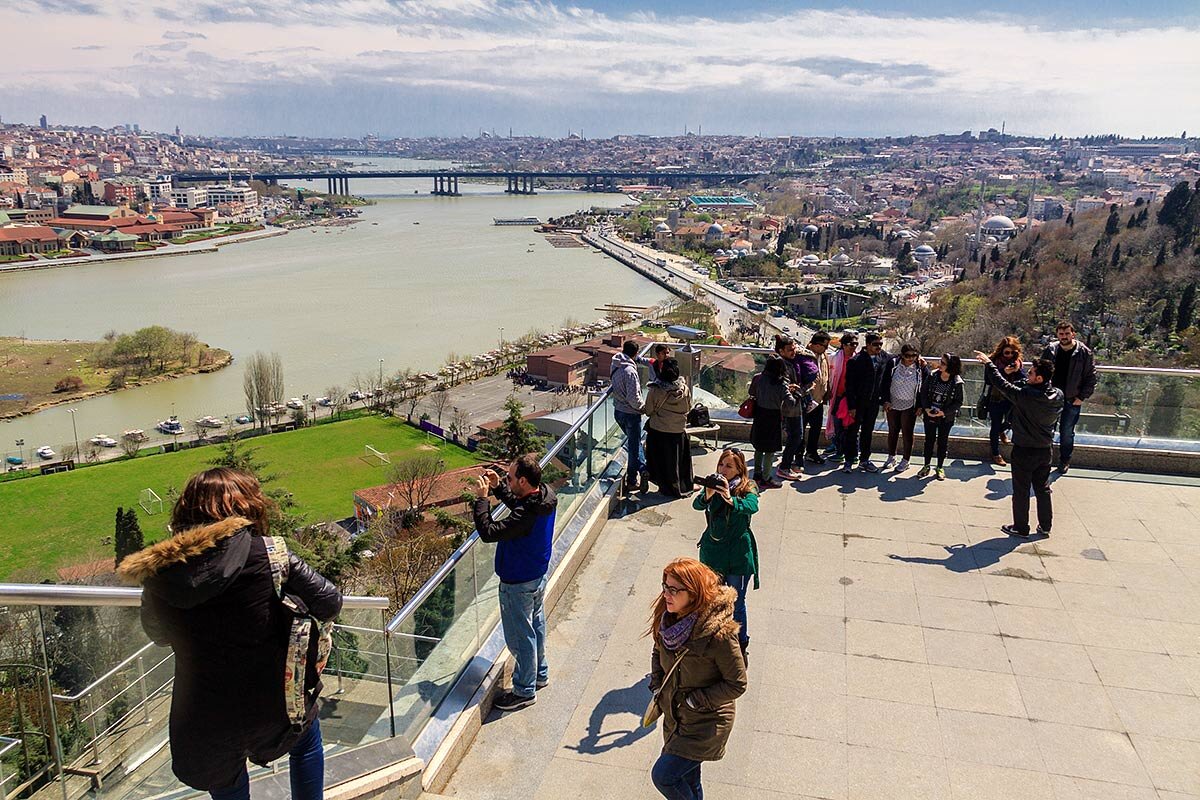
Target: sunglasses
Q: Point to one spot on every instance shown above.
(1009, 353)
(672, 591)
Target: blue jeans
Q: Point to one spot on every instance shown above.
(1066, 431)
(524, 623)
(793, 445)
(677, 778)
(742, 584)
(998, 414)
(631, 425)
(306, 769)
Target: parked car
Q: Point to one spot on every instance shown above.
(243, 420)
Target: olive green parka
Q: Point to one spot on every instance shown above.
(712, 673)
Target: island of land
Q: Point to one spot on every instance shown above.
(36, 374)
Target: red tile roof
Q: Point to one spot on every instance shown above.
(26, 233)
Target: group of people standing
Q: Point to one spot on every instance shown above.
(798, 383)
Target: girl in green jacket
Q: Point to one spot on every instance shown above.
(727, 545)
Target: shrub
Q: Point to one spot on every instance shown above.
(71, 383)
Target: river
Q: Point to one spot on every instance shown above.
(331, 302)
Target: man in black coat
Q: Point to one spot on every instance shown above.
(864, 376)
(1036, 406)
(1074, 373)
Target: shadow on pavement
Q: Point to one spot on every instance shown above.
(968, 557)
(630, 701)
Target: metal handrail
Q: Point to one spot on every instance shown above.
(71, 698)
(36, 594)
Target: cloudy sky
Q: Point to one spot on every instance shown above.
(452, 67)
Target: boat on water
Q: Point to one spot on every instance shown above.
(45, 452)
(171, 427)
(516, 221)
(295, 402)
(209, 422)
(103, 440)
(135, 435)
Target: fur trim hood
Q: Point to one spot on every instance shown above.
(178, 549)
(719, 620)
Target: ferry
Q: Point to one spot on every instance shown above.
(45, 452)
(516, 221)
(171, 427)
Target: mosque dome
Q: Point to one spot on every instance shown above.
(810, 228)
(715, 230)
(662, 227)
(925, 250)
(999, 224)
(840, 258)
(810, 259)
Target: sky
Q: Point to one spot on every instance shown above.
(454, 67)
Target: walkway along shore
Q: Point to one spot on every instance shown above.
(207, 246)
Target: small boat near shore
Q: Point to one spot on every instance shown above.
(135, 435)
(45, 452)
(171, 427)
(209, 422)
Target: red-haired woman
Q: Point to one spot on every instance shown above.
(698, 672)
(209, 594)
(1007, 358)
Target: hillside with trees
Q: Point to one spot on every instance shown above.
(1125, 276)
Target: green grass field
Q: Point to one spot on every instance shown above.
(54, 521)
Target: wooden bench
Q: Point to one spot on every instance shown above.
(703, 431)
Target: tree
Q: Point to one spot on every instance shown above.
(440, 398)
(1187, 308)
(130, 444)
(128, 538)
(337, 399)
(416, 478)
(1174, 207)
(413, 395)
(1112, 226)
(514, 437)
(262, 385)
(905, 263)
(460, 423)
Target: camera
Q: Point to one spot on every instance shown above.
(935, 408)
(713, 481)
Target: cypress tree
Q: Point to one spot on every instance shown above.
(1187, 308)
(1167, 320)
(1116, 255)
(1113, 225)
(1174, 205)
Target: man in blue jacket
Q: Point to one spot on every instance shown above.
(523, 538)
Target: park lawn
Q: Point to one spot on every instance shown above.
(59, 520)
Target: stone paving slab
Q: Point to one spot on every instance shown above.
(902, 647)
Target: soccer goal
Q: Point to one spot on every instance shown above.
(150, 502)
(374, 456)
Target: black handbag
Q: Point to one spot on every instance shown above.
(698, 416)
(982, 407)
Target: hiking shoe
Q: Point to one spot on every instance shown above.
(924, 473)
(868, 466)
(903, 465)
(815, 458)
(891, 462)
(940, 474)
(1013, 530)
(999, 461)
(509, 701)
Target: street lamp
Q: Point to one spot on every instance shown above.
(21, 450)
(74, 430)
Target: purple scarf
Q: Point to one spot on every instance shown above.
(675, 636)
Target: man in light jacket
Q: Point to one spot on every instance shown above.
(627, 410)
(1075, 374)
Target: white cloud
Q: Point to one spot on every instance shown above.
(849, 71)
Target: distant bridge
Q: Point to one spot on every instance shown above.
(445, 181)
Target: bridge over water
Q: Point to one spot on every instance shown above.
(445, 181)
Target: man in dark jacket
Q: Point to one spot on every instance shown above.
(1075, 375)
(522, 557)
(864, 375)
(627, 411)
(1036, 407)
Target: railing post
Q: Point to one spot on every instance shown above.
(55, 741)
(387, 659)
(142, 682)
(587, 444)
(338, 650)
(95, 730)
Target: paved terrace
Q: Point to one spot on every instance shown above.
(902, 647)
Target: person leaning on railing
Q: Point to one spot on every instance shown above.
(209, 594)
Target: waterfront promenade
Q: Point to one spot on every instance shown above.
(902, 647)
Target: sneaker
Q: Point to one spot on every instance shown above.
(787, 475)
(868, 466)
(773, 483)
(903, 465)
(815, 458)
(848, 467)
(1013, 530)
(891, 462)
(1063, 467)
(510, 701)
(542, 683)
(924, 473)
(1043, 531)
(836, 458)
(940, 474)
(999, 461)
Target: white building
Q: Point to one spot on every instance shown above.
(189, 197)
(158, 188)
(240, 194)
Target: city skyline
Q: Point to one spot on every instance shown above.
(454, 67)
